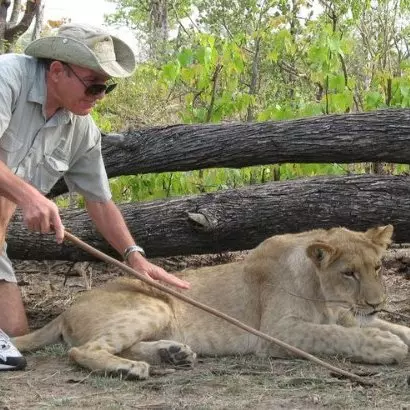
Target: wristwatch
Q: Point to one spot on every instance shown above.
(133, 248)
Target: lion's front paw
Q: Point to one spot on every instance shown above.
(381, 347)
(177, 354)
(132, 371)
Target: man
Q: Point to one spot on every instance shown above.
(46, 132)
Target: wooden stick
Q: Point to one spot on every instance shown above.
(212, 311)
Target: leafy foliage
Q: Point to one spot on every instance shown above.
(258, 60)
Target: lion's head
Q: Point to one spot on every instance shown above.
(348, 265)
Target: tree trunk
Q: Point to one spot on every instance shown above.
(39, 22)
(10, 31)
(15, 13)
(158, 26)
(4, 5)
(236, 219)
(13, 32)
(382, 136)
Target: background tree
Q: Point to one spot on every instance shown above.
(21, 16)
(250, 60)
(38, 22)
(260, 60)
(152, 19)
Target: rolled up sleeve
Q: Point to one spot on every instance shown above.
(9, 90)
(87, 174)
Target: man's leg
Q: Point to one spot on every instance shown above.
(13, 319)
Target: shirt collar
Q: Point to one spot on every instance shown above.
(38, 90)
(38, 93)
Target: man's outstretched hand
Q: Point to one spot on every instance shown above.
(143, 266)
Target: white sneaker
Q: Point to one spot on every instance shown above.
(10, 357)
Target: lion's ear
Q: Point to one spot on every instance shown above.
(322, 254)
(381, 235)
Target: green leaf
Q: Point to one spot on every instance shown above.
(204, 55)
(337, 82)
(171, 71)
(373, 100)
(186, 57)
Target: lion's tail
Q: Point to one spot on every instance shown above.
(49, 334)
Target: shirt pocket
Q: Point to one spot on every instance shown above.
(51, 169)
(10, 143)
(11, 149)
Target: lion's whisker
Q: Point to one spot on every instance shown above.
(341, 302)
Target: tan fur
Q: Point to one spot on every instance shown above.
(318, 290)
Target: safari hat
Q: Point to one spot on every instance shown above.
(86, 46)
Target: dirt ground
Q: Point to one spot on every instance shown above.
(241, 382)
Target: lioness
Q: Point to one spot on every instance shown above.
(318, 290)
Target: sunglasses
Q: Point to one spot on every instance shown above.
(93, 89)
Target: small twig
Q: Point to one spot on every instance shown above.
(19, 375)
(215, 312)
(75, 382)
(49, 377)
(39, 396)
(69, 273)
(81, 268)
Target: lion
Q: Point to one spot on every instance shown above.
(319, 291)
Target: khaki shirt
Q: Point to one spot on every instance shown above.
(41, 151)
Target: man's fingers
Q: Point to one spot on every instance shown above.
(183, 284)
(44, 226)
(164, 276)
(175, 281)
(58, 229)
(156, 273)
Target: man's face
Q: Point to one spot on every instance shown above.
(71, 87)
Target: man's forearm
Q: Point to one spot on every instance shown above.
(39, 213)
(110, 223)
(13, 187)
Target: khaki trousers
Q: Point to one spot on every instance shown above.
(7, 209)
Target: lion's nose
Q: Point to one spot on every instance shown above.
(374, 305)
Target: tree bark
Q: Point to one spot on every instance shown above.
(39, 22)
(4, 5)
(375, 136)
(236, 219)
(15, 13)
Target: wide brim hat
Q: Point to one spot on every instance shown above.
(86, 46)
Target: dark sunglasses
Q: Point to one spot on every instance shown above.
(93, 89)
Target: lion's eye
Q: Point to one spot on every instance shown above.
(349, 274)
(378, 267)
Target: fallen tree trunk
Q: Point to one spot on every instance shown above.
(236, 219)
(373, 136)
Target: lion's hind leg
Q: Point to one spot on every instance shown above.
(99, 356)
(162, 351)
(118, 332)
